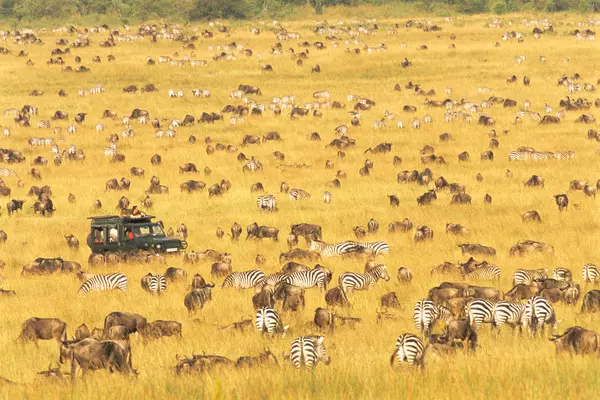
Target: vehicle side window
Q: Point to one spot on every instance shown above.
(98, 235)
(113, 235)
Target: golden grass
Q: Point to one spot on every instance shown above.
(507, 366)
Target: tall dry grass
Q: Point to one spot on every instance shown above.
(507, 365)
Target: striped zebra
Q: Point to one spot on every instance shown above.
(349, 281)
(327, 197)
(424, 315)
(508, 312)
(409, 349)
(308, 351)
(252, 165)
(562, 274)
(375, 248)
(538, 313)
(155, 284)
(564, 155)
(519, 156)
(274, 279)
(44, 124)
(415, 123)
(298, 194)
(590, 273)
(267, 203)
(336, 249)
(428, 119)
(268, 321)
(244, 280)
(491, 273)
(479, 311)
(307, 279)
(105, 282)
(527, 276)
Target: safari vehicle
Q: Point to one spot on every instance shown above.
(115, 234)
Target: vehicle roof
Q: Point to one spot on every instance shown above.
(114, 219)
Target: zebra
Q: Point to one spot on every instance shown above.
(308, 351)
(372, 226)
(527, 276)
(479, 311)
(564, 155)
(508, 312)
(562, 274)
(298, 194)
(105, 282)
(327, 197)
(244, 280)
(409, 349)
(424, 315)
(415, 123)
(375, 248)
(349, 281)
(154, 284)
(268, 321)
(336, 249)
(272, 280)
(519, 156)
(252, 165)
(538, 312)
(44, 124)
(490, 273)
(590, 273)
(267, 203)
(428, 119)
(317, 276)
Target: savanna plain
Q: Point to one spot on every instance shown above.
(507, 365)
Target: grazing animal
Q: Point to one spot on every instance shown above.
(591, 301)
(538, 313)
(424, 315)
(480, 311)
(155, 284)
(35, 329)
(197, 298)
(508, 312)
(349, 281)
(116, 281)
(268, 321)
(577, 340)
(590, 273)
(244, 280)
(308, 351)
(409, 349)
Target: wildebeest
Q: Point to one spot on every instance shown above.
(461, 198)
(477, 249)
(262, 360)
(44, 266)
(335, 297)
(307, 231)
(201, 363)
(14, 205)
(562, 201)
(402, 226)
(197, 298)
(90, 354)
(426, 198)
(159, 328)
(577, 340)
(292, 296)
(35, 329)
(82, 332)
(530, 246)
(261, 232)
(390, 300)
(132, 322)
(534, 181)
(531, 216)
(591, 301)
(404, 275)
(72, 241)
(423, 233)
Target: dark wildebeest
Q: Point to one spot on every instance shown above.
(262, 360)
(335, 297)
(461, 330)
(531, 216)
(292, 266)
(187, 167)
(404, 275)
(456, 229)
(236, 231)
(530, 246)
(461, 198)
(192, 186)
(160, 328)
(380, 148)
(307, 231)
(521, 292)
(577, 340)
(394, 201)
(440, 295)
(562, 201)
(477, 249)
(534, 181)
(262, 232)
(292, 296)
(300, 255)
(135, 171)
(132, 322)
(390, 300)
(199, 364)
(197, 298)
(591, 301)
(264, 298)
(82, 332)
(90, 354)
(175, 274)
(156, 159)
(549, 119)
(43, 329)
(220, 269)
(14, 205)
(423, 233)
(257, 187)
(426, 198)
(72, 241)
(482, 292)
(198, 282)
(486, 120)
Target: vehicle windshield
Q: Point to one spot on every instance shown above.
(148, 229)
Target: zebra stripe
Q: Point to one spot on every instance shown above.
(425, 315)
(375, 248)
(590, 273)
(336, 249)
(538, 313)
(372, 226)
(409, 349)
(308, 351)
(299, 194)
(480, 311)
(157, 284)
(267, 203)
(508, 312)
(519, 155)
(252, 165)
(244, 280)
(267, 321)
(527, 276)
(274, 279)
(349, 281)
(491, 273)
(562, 274)
(105, 282)
(308, 279)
